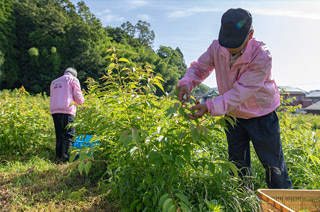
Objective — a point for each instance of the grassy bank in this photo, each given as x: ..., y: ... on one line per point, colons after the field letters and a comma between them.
x: 40, y: 184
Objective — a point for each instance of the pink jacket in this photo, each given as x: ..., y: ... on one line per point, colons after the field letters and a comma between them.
x: 63, y: 92
x: 246, y: 89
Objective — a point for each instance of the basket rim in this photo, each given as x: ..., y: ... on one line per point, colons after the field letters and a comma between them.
x: 303, y: 192
x: 265, y: 189
x: 267, y: 197
x: 273, y: 202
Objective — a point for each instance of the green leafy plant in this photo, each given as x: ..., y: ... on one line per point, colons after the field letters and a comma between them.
x: 156, y: 157
x: 150, y: 156
x: 26, y: 125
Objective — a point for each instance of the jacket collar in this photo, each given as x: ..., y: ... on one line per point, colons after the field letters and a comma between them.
x: 245, y: 57
x: 68, y: 73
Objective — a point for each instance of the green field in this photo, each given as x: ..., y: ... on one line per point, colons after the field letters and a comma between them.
x: 150, y: 157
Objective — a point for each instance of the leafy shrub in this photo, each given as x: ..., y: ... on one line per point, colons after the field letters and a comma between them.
x: 26, y: 125
x: 301, y: 143
x: 151, y: 157
x: 156, y: 158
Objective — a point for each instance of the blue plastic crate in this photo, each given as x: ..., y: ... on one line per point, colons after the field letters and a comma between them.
x: 84, y: 141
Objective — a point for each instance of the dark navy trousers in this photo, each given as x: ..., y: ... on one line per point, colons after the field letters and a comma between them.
x: 264, y: 133
x: 64, y: 135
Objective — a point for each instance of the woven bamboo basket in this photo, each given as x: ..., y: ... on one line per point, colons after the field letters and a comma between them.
x: 285, y: 200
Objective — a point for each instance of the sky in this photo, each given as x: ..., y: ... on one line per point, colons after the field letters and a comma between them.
x: 290, y: 29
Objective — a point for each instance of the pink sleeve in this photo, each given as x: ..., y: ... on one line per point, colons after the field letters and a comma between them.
x: 249, y: 82
x: 199, y: 70
x: 77, y: 94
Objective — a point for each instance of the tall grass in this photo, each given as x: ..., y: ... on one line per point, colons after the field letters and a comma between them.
x: 26, y: 126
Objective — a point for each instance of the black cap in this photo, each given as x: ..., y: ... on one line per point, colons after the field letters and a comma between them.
x: 235, y: 26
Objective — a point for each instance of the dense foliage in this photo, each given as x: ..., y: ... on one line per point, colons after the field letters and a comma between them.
x: 151, y: 157
x: 40, y: 39
x: 151, y: 151
x: 24, y: 118
x: 157, y: 159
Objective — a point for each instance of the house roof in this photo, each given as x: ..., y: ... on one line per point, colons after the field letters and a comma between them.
x: 291, y: 90
x: 313, y: 94
x: 214, y: 90
x: 211, y: 93
x: 315, y: 106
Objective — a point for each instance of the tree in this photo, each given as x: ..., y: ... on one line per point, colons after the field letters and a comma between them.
x: 64, y: 36
x: 40, y: 39
x: 132, y: 34
x: 171, y: 67
x: 129, y: 29
x: 1, y: 63
x: 119, y: 35
x: 201, y: 89
x: 145, y: 35
x: 8, y: 40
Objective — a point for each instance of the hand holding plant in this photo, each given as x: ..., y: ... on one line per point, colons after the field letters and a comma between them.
x: 183, y: 93
x: 201, y: 108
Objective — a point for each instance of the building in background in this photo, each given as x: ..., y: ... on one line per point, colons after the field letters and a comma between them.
x: 310, y: 101
x: 314, y: 96
x: 298, y: 96
x: 213, y: 92
x: 314, y: 108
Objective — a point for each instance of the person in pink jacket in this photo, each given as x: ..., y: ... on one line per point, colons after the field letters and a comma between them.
x: 247, y: 91
x: 64, y: 91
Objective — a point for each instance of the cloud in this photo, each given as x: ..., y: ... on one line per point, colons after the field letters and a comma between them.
x: 106, y: 11
x: 304, y: 13
x: 191, y: 11
x: 106, y: 17
x: 136, y: 3
x: 287, y: 13
x: 110, y: 18
x: 144, y: 17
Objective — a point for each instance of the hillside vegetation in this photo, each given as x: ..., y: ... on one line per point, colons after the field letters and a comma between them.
x: 40, y: 39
